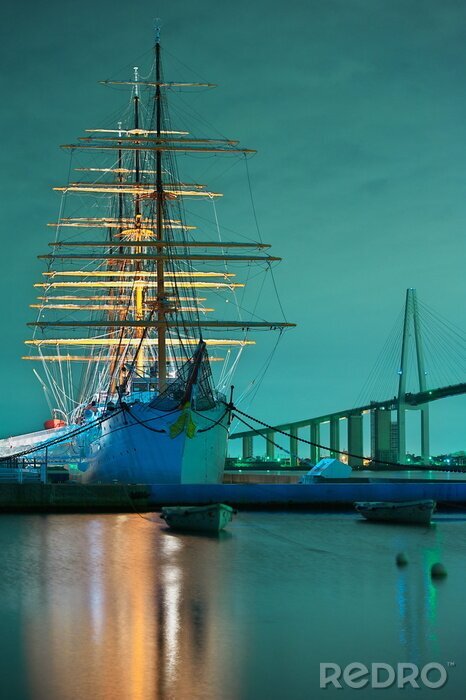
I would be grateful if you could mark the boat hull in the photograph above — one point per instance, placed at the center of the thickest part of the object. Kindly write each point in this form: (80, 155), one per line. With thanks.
(212, 518)
(407, 512)
(136, 446)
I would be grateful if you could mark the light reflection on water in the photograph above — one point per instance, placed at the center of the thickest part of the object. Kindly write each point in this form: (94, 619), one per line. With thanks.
(115, 606)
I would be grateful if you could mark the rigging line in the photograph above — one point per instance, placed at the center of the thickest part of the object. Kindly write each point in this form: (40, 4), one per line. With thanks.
(54, 386)
(253, 312)
(136, 354)
(265, 370)
(71, 391)
(45, 389)
(225, 228)
(252, 200)
(229, 375)
(191, 112)
(276, 291)
(260, 236)
(98, 380)
(118, 364)
(223, 252)
(63, 197)
(223, 371)
(190, 69)
(60, 368)
(61, 210)
(260, 375)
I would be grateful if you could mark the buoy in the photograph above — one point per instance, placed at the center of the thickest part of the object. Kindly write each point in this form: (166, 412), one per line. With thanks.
(401, 559)
(438, 570)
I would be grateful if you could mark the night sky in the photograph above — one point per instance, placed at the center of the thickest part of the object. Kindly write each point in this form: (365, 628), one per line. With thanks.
(358, 111)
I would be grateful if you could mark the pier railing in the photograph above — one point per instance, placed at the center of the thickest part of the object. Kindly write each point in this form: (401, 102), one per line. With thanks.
(19, 471)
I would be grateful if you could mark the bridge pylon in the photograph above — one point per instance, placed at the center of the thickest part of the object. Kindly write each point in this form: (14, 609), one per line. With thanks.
(411, 327)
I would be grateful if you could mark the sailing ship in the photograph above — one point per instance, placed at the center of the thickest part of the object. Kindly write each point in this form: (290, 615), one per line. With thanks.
(124, 299)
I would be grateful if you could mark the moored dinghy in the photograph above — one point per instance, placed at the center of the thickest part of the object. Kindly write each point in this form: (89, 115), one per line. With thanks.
(211, 518)
(409, 512)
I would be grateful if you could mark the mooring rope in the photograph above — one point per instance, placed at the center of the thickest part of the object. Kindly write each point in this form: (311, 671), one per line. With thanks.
(326, 447)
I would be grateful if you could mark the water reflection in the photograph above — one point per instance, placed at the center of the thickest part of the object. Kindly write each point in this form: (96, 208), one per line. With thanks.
(116, 607)
(416, 595)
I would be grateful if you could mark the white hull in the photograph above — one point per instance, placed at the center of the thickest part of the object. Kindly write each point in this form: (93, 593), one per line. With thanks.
(128, 449)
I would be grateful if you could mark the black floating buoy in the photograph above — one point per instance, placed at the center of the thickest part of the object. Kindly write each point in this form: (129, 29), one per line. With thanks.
(401, 559)
(438, 570)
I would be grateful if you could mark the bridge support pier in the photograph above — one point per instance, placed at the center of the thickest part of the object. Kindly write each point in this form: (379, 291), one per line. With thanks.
(293, 446)
(355, 440)
(382, 435)
(334, 437)
(401, 433)
(425, 442)
(270, 447)
(247, 446)
(314, 437)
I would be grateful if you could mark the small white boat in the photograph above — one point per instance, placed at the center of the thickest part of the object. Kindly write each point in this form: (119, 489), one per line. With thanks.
(211, 518)
(410, 512)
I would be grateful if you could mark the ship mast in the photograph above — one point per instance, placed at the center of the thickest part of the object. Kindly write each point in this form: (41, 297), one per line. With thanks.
(139, 289)
(161, 333)
(135, 282)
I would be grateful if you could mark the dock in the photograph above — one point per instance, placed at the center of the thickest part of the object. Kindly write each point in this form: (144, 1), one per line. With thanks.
(318, 495)
(72, 498)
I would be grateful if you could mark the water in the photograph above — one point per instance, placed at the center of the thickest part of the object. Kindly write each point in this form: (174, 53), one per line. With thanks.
(114, 606)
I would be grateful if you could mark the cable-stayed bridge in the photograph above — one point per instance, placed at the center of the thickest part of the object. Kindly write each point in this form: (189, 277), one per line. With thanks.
(418, 365)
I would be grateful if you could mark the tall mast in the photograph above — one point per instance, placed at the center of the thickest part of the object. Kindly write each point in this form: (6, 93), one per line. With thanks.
(128, 283)
(139, 290)
(161, 333)
(115, 380)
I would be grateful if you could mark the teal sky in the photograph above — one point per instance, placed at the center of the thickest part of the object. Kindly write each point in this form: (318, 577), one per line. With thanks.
(358, 111)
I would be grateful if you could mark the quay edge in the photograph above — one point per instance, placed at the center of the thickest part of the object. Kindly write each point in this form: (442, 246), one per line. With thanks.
(77, 498)
(72, 498)
(303, 495)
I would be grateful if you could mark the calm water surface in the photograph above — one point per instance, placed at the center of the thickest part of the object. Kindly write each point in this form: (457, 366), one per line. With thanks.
(115, 607)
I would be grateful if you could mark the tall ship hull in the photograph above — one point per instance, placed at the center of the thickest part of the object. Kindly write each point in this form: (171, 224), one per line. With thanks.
(130, 450)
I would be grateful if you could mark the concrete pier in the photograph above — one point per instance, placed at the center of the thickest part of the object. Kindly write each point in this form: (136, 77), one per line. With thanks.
(382, 426)
(286, 496)
(314, 437)
(334, 436)
(72, 497)
(355, 440)
(293, 446)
